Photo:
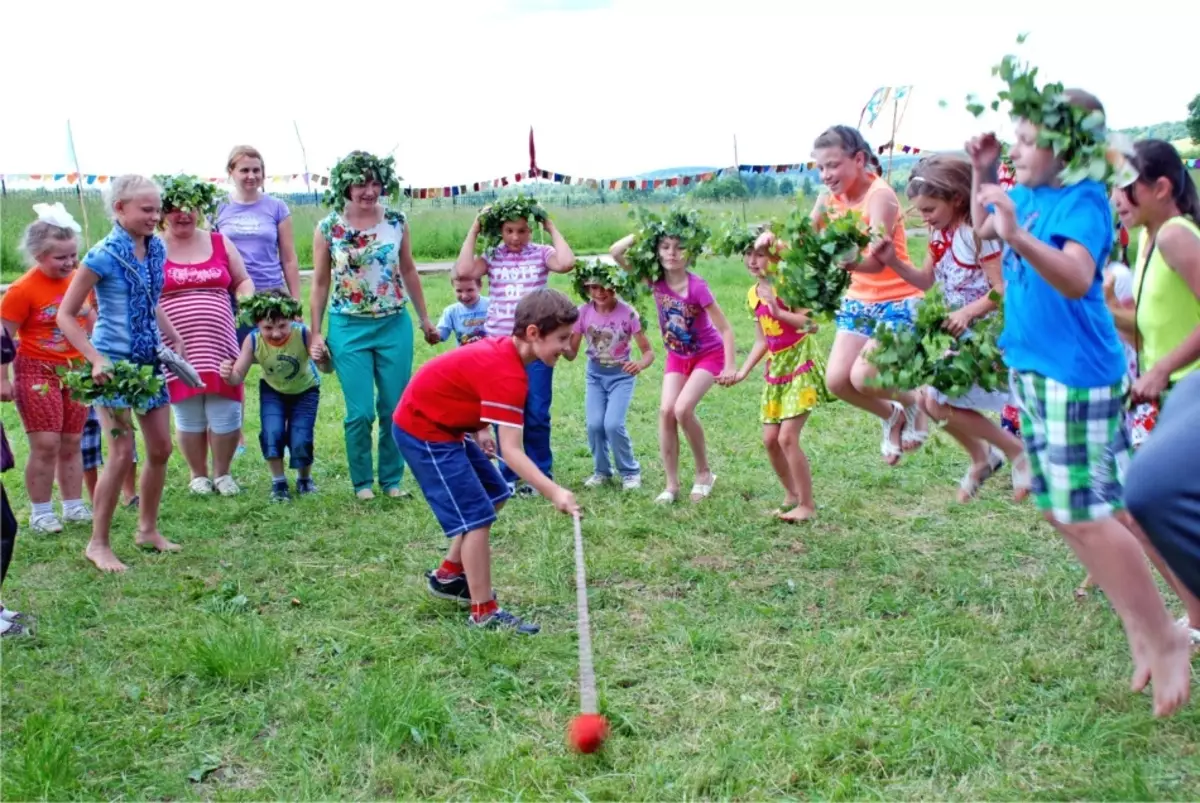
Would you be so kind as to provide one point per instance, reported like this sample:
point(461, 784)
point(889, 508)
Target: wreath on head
point(263, 306)
point(1078, 136)
point(188, 194)
point(491, 222)
point(360, 167)
point(625, 284)
point(686, 225)
point(736, 239)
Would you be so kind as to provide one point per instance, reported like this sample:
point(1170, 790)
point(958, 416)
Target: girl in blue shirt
point(1069, 382)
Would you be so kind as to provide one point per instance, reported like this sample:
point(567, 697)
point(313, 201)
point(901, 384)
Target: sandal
point(971, 483)
point(666, 498)
point(912, 438)
point(701, 490)
point(201, 486)
point(890, 451)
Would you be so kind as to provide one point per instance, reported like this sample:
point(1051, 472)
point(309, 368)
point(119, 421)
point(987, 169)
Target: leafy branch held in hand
point(810, 273)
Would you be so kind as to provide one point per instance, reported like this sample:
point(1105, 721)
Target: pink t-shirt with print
point(512, 275)
point(608, 333)
point(686, 328)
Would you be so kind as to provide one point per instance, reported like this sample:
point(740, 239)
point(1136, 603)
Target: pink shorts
point(711, 361)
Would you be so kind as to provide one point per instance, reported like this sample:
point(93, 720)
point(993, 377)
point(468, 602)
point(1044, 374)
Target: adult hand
point(564, 501)
point(431, 334)
point(983, 151)
point(957, 322)
point(1004, 214)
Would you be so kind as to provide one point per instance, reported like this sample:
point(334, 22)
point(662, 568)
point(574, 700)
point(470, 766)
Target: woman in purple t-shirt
point(260, 226)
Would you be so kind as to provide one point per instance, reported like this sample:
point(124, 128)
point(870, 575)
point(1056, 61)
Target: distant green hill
point(1168, 131)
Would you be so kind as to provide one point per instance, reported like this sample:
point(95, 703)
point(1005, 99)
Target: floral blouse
point(365, 266)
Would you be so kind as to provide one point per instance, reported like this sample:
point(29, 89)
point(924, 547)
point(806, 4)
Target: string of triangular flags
point(100, 179)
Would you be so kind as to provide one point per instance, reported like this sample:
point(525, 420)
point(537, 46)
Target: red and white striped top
point(196, 299)
point(512, 275)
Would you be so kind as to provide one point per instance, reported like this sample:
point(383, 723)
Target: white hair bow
point(57, 214)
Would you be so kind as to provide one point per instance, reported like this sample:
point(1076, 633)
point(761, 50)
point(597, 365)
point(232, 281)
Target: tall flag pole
point(78, 184)
point(304, 160)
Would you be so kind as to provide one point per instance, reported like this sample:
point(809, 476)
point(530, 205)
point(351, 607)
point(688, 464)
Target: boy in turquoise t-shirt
point(1068, 378)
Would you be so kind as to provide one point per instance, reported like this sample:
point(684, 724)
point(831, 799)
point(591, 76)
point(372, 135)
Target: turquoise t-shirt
point(1070, 340)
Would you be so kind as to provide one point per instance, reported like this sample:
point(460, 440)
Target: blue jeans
point(609, 392)
point(287, 420)
point(537, 420)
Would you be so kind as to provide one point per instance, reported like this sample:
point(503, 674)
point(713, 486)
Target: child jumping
point(699, 344)
point(466, 318)
point(795, 385)
point(968, 269)
point(1068, 368)
point(463, 392)
point(609, 324)
point(289, 391)
point(515, 269)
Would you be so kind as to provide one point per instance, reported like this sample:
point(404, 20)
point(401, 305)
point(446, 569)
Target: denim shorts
point(861, 317)
point(460, 483)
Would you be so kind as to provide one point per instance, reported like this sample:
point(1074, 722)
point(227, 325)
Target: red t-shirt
point(464, 390)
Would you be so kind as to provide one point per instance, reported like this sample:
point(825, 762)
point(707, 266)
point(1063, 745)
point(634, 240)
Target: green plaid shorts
point(1078, 444)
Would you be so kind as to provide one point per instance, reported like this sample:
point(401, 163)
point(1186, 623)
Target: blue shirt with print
point(1070, 340)
point(466, 323)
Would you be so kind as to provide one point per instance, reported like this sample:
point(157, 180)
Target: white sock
point(70, 505)
point(41, 509)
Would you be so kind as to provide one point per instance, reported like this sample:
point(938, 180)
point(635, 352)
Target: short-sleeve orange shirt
point(31, 303)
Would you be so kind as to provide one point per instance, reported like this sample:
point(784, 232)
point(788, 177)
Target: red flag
point(532, 154)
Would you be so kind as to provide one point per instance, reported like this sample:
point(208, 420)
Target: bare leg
point(668, 431)
point(44, 449)
point(476, 557)
point(104, 500)
point(779, 462)
point(130, 486)
point(838, 379)
point(223, 447)
point(89, 480)
point(685, 413)
point(194, 446)
point(276, 466)
point(1161, 651)
point(70, 467)
point(799, 468)
point(1191, 604)
point(862, 375)
point(156, 430)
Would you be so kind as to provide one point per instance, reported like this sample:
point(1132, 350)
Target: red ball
point(587, 732)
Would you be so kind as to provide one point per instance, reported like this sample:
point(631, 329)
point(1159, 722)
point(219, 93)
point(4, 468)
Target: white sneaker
point(595, 481)
point(201, 485)
point(631, 483)
point(225, 486)
point(82, 514)
point(45, 523)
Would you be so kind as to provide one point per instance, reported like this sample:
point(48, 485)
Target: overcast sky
point(611, 87)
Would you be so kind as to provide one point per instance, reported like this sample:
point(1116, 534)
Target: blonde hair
point(242, 152)
point(41, 234)
point(122, 188)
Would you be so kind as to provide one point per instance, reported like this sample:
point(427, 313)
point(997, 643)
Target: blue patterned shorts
point(861, 317)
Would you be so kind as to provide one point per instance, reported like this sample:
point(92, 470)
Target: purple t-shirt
point(608, 333)
point(254, 230)
point(686, 328)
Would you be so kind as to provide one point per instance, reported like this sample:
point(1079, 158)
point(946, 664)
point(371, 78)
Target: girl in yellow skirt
point(795, 384)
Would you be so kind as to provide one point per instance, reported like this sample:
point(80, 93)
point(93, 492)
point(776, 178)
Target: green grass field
point(901, 646)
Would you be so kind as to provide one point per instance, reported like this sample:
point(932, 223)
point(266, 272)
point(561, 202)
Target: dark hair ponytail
point(852, 142)
point(1155, 159)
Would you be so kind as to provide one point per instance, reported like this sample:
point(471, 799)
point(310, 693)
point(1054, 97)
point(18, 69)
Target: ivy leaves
point(129, 384)
point(685, 225)
point(262, 306)
point(357, 169)
point(928, 355)
point(188, 194)
point(491, 222)
point(809, 274)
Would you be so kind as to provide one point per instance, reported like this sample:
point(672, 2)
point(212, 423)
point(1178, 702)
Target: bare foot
point(1141, 665)
point(155, 540)
point(1171, 671)
point(104, 559)
point(797, 514)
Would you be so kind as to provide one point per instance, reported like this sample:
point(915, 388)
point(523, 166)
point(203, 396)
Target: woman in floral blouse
point(364, 273)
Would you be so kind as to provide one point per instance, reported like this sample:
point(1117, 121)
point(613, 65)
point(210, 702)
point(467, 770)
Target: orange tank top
point(887, 284)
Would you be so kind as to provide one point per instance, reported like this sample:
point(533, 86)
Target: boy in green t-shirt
point(290, 388)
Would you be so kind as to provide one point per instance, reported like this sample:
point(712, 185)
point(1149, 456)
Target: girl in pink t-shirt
point(699, 343)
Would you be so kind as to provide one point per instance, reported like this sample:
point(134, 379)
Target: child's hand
point(316, 347)
point(1004, 215)
point(727, 376)
point(984, 151)
point(476, 227)
point(885, 251)
point(485, 440)
point(564, 501)
point(958, 322)
point(102, 371)
point(765, 240)
point(6, 389)
point(431, 335)
point(633, 367)
point(226, 370)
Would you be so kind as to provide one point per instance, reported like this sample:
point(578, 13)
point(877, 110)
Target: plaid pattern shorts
point(92, 443)
point(1078, 444)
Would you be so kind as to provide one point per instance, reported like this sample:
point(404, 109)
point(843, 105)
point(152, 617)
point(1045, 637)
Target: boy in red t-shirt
point(461, 393)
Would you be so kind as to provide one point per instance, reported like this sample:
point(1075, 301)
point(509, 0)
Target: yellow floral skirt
point(795, 382)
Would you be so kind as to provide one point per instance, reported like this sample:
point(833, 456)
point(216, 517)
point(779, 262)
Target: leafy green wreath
point(188, 194)
point(736, 239)
point(491, 222)
point(360, 167)
point(1077, 136)
point(266, 305)
point(625, 284)
point(687, 225)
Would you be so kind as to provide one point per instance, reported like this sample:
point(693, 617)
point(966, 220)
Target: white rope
point(587, 676)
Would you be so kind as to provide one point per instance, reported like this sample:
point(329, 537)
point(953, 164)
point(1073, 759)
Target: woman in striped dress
point(201, 270)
